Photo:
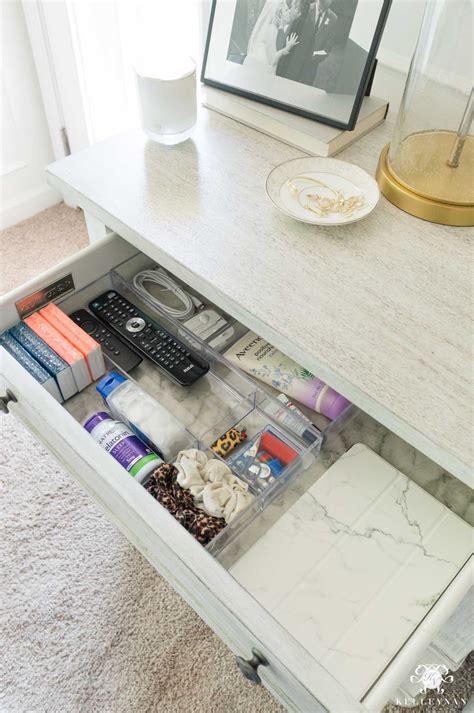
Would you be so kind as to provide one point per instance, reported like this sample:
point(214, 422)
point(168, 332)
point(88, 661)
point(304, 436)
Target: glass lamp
point(428, 169)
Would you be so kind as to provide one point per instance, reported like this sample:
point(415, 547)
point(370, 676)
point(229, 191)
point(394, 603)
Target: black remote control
point(111, 345)
point(149, 338)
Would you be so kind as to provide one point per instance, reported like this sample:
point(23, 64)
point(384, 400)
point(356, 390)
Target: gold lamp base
point(403, 197)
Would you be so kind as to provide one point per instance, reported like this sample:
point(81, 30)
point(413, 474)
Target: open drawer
point(293, 674)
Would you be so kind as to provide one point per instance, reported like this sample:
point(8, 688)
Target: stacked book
point(305, 134)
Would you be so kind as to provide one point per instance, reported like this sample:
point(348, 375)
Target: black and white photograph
point(311, 57)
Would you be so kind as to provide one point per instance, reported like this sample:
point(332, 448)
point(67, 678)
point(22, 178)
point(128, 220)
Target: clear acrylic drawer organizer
point(222, 399)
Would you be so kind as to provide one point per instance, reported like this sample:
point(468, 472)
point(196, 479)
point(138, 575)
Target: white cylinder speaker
point(167, 97)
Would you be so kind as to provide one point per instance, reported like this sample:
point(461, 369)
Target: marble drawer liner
point(355, 564)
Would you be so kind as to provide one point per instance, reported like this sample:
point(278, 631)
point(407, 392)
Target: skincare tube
point(259, 358)
point(299, 424)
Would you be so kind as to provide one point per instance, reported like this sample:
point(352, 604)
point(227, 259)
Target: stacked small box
point(47, 357)
point(62, 347)
point(89, 348)
point(31, 365)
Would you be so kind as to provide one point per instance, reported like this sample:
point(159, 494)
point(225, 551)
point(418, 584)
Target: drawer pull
point(249, 668)
point(5, 400)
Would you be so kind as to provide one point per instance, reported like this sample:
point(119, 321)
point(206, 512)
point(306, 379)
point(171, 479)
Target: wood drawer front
point(296, 678)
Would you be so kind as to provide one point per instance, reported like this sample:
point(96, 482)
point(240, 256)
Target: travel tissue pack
point(31, 365)
point(47, 357)
point(62, 347)
point(89, 348)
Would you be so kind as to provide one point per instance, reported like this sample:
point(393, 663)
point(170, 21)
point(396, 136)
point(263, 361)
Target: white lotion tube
point(259, 358)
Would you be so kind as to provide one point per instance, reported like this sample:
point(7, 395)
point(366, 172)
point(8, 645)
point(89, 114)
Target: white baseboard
point(27, 205)
point(394, 61)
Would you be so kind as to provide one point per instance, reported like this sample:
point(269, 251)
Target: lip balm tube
point(301, 425)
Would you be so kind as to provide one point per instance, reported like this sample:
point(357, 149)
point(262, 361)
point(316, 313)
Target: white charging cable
point(161, 278)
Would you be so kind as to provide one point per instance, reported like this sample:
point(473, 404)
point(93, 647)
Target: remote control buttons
point(88, 327)
point(148, 338)
point(135, 324)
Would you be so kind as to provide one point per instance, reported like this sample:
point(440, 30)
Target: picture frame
point(313, 58)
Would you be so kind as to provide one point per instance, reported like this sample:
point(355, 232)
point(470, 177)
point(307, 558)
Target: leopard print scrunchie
point(163, 486)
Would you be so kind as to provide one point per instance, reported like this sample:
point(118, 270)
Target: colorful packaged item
point(274, 445)
point(47, 357)
point(123, 445)
point(89, 348)
point(31, 365)
point(264, 459)
point(226, 443)
point(62, 347)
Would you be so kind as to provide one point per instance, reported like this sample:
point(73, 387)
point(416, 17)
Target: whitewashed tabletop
point(380, 309)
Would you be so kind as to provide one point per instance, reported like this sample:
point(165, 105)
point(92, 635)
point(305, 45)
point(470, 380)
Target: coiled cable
point(161, 278)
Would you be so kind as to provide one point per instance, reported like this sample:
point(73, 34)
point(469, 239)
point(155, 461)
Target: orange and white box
point(62, 347)
point(89, 348)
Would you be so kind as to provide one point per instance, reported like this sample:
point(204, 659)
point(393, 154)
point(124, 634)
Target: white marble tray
point(355, 564)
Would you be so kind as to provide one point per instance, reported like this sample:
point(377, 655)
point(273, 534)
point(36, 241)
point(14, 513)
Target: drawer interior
point(224, 398)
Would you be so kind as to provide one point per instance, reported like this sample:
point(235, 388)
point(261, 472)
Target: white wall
point(401, 33)
point(447, 53)
point(25, 142)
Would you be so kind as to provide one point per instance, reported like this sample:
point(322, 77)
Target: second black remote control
point(149, 338)
point(113, 347)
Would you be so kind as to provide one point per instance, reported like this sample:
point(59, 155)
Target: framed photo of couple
point(314, 58)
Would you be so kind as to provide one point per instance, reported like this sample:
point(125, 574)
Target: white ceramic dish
point(305, 175)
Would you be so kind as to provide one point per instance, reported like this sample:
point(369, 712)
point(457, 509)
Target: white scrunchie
point(212, 484)
point(190, 464)
point(216, 497)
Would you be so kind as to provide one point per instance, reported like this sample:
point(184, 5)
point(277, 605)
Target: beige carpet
point(86, 624)
point(37, 244)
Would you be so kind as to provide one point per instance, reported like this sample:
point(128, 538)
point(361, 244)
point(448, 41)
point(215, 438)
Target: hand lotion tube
point(259, 358)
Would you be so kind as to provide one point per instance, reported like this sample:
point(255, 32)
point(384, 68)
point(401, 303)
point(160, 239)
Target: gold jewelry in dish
point(323, 206)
